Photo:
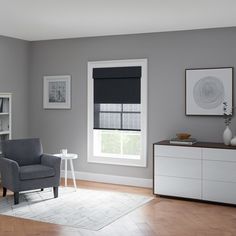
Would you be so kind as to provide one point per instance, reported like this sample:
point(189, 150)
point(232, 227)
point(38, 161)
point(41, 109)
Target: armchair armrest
point(10, 173)
point(51, 161)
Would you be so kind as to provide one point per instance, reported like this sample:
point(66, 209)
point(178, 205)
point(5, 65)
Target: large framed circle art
point(207, 89)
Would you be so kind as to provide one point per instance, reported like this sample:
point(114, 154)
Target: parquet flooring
point(160, 217)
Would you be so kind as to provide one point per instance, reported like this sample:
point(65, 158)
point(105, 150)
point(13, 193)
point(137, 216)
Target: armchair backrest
point(23, 151)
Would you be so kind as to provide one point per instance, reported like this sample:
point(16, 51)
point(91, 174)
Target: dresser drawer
point(178, 187)
point(219, 171)
point(176, 151)
point(178, 167)
point(219, 154)
point(219, 191)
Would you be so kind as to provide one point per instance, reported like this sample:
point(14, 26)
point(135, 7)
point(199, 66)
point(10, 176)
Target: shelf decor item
point(207, 89)
point(227, 135)
point(187, 141)
point(227, 115)
point(183, 135)
point(233, 141)
point(183, 139)
point(57, 92)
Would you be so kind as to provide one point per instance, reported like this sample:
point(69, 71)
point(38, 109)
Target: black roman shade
point(117, 98)
point(117, 85)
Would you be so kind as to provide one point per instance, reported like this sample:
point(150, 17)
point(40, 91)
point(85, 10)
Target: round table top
point(67, 156)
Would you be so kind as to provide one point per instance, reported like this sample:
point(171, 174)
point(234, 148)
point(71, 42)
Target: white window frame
point(142, 162)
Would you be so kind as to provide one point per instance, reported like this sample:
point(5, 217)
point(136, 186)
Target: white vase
point(227, 135)
point(233, 141)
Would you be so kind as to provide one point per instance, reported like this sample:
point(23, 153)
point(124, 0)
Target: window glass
point(117, 143)
point(109, 121)
point(117, 116)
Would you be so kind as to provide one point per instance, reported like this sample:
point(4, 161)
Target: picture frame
point(206, 89)
point(57, 92)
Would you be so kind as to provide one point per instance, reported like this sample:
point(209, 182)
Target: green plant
point(227, 115)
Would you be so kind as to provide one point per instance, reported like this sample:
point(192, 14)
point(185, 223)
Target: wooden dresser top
point(198, 144)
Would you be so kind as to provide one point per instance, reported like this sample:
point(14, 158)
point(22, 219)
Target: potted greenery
point(227, 115)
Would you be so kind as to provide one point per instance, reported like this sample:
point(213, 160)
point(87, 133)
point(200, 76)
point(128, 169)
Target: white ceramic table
point(68, 157)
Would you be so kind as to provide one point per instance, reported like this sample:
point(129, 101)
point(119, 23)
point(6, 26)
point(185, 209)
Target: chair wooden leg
point(4, 192)
point(16, 198)
point(55, 191)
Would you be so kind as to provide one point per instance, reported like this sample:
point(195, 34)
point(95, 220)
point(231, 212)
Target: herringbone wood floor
point(161, 217)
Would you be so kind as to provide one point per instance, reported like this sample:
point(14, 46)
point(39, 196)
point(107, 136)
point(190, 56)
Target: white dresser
point(204, 171)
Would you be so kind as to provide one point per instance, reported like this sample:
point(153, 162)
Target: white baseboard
point(111, 179)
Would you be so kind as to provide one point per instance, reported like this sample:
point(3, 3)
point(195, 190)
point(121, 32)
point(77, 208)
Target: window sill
point(117, 161)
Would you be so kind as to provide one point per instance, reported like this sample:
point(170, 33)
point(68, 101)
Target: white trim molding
point(142, 161)
point(111, 179)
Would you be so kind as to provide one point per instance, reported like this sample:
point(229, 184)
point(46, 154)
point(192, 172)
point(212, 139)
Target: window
point(117, 93)
point(117, 116)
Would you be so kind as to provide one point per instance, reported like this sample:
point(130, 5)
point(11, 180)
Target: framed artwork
point(57, 92)
point(207, 89)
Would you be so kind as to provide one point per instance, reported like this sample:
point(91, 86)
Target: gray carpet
point(88, 209)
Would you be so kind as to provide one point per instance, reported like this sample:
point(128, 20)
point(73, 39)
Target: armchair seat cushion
point(35, 172)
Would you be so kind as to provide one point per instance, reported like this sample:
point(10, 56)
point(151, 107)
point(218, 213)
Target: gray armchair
point(25, 167)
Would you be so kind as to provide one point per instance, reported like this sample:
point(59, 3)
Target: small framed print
point(207, 89)
point(57, 92)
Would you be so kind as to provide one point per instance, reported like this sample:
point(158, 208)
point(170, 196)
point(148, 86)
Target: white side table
point(68, 157)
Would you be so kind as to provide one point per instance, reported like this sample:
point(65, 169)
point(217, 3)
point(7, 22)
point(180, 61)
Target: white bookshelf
point(5, 116)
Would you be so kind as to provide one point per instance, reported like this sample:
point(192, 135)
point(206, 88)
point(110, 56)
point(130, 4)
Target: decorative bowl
point(183, 135)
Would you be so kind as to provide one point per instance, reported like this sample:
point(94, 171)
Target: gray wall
point(168, 55)
point(14, 74)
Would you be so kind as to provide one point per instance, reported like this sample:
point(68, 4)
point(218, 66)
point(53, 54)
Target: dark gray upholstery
point(35, 172)
point(24, 151)
point(25, 167)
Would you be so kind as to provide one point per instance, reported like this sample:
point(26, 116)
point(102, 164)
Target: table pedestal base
point(72, 172)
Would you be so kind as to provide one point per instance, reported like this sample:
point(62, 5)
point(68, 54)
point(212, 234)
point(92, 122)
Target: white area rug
point(88, 209)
